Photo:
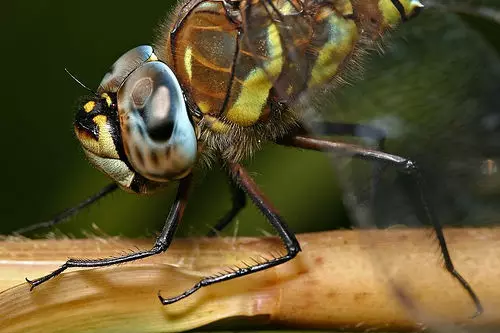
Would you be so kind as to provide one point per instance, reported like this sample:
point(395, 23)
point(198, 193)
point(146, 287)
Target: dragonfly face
point(137, 129)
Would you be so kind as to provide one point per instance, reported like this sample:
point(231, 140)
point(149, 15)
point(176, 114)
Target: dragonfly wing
point(434, 93)
point(432, 100)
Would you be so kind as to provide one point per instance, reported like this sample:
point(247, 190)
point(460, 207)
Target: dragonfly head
point(397, 11)
point(136, 129)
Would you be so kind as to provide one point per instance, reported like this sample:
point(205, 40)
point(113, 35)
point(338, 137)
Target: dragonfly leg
point(328, 128)
point(65, 215)
point(238, 202)
point(244, 180)
point(406, 166)
point(161, 244)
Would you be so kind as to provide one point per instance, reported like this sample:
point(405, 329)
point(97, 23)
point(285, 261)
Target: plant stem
point(332, 284)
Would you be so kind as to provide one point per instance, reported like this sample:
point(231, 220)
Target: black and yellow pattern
point(242, 67)
point(136, 129)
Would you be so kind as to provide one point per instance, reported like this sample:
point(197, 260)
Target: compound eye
point(125, 65)
point(158, 137)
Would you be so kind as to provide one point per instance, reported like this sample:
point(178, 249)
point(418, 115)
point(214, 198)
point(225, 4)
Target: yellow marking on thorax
point(391, 15)
point(89, 106)
point(389, 12)
point(343, 36)
point(216, 125)
point(287, 9)
point(344, 7)
point(254, 93)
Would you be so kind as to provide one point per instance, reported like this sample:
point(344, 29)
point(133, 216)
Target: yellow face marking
point(104, 147)
point(89, 106)
point(107, 98)
point(250, 104)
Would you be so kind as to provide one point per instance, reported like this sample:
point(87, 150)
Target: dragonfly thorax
point(244, 64)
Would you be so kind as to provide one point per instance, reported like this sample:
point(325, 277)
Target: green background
point(44, 170)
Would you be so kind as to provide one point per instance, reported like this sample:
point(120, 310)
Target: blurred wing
point(484, 9)
point(434, 95)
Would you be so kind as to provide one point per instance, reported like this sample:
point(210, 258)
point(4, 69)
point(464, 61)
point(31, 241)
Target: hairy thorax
point(244, 64)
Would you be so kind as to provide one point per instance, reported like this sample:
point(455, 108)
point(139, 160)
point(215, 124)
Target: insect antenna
point(79, 82)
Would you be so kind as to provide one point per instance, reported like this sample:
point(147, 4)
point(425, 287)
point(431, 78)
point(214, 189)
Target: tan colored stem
point(330, 285)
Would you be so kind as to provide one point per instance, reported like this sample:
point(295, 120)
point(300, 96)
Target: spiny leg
point(332, 128)
point(161, 244)
point(243, 179)
point(238, 202)
point(404, 165)
point(65, 215)
point(348, 129)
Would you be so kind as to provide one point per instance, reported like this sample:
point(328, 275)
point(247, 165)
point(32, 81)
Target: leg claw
point(32, 284)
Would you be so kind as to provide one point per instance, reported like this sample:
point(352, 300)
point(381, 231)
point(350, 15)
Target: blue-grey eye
point(158, 136)
point(125, 65)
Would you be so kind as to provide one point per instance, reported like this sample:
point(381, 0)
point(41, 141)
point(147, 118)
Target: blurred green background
point(45, 171)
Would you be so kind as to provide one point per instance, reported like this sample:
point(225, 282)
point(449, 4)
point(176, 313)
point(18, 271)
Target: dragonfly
point(225, 77)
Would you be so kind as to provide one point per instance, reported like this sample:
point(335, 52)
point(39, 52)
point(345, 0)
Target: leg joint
point(294, 250)
point(159, 248)
point(410, 167)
